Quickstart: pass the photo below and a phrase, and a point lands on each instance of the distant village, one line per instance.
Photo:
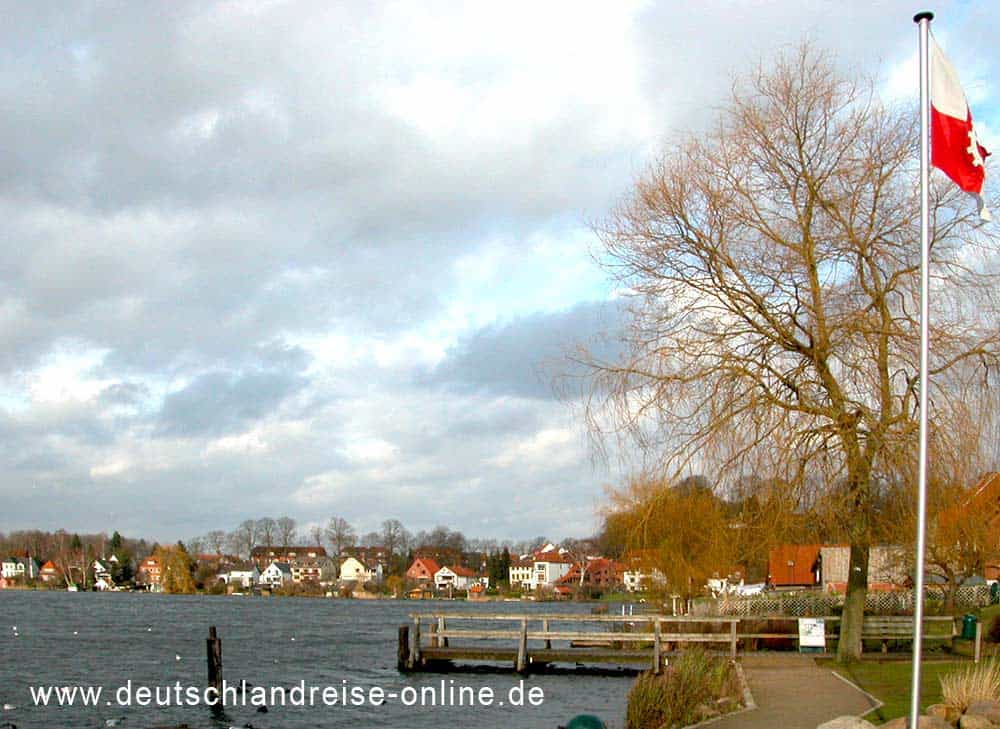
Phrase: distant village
(266, 556)
(550, 571)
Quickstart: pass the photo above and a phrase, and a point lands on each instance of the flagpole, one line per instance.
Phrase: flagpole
(923, 20)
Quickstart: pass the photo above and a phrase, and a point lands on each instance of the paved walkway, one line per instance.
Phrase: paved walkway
(792, 692)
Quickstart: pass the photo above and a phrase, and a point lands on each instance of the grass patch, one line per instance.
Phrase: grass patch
(889, 681)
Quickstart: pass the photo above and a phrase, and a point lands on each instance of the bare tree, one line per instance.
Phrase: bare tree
(340, 534)
(579, 551)
(316, 534)
(393, 537)
(772, 271)
(195, 545)
(244, 538)
(267, 528)
(286, 531)
(216, 540)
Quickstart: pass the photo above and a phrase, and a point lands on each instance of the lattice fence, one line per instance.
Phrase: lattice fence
(877, 603)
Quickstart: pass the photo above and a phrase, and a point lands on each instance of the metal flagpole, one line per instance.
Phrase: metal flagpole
(923, 20)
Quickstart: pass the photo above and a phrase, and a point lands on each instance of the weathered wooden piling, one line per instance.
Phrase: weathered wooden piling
(415, 652)
(522, 648)
(441, 627)
(214, 655)
(403, 649)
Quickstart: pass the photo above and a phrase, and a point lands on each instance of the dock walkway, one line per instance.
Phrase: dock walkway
(792, 692)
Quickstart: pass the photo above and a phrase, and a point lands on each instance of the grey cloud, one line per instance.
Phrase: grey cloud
(218, 402)
(531, 355)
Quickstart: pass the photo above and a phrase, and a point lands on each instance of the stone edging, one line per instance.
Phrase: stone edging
(748, 702)
(877, 704)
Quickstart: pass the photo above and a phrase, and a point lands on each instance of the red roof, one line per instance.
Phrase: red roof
(462, 571)
(422, 567)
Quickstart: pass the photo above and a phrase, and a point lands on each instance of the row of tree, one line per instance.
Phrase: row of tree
(338, 534)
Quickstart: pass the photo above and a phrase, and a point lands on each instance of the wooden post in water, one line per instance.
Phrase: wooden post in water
(522, 648)
(545, 627)
(433, 630)
(403, 649)
(415, 653)
(657, 659)
(214, 654)
(443, 642)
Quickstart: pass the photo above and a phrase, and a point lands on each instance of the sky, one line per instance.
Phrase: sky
(328, 259)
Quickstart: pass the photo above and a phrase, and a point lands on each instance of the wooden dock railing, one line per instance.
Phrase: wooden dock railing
(528, 639)
(644, 640)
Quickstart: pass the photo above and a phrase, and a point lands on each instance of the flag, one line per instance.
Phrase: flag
(955, 149)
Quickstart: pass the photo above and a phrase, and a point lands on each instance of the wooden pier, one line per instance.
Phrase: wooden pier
(527, 642)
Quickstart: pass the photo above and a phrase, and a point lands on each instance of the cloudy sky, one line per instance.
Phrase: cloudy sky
(314, 258)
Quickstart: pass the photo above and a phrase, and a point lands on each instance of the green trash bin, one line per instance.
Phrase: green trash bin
(585, 721)
(969, 627)
(995, 592)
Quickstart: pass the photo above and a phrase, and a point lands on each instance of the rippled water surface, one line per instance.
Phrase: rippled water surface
(108, 639)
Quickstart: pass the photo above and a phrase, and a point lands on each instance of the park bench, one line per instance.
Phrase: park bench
(883, 628)
(900, 627)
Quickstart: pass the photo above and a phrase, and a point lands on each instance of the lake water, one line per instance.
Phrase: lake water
(105, 640)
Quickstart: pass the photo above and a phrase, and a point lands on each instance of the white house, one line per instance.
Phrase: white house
(520, 572)
(455, 577)
(101, 568)
(353, 569)
(547, 570)
(276, 574)
(19, 568)
(9, 568)
(244, 579)
(636, 580)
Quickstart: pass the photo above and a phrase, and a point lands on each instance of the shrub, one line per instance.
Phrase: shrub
(993, 634)
(679, 695)
(972, 683)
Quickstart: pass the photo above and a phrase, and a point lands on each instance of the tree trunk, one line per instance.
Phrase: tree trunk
(849, 646)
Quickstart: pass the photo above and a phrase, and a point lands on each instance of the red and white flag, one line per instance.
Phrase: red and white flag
(955, 149)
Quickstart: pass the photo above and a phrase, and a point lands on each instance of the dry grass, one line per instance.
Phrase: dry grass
(678, 696)
(972, 683)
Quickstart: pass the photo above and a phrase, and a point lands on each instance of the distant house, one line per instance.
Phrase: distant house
(149, 573)
(563, 591)
(794, 565)
(306, 563)
(423, 569)
(102, 570)
(9, 568)
(454, 577)
(548, 569)
(597, 572)
(371, 556)
(276, 574)
(49, 573)
(265, 555)
(19, 568)
(520, 572)
(243, 578)
(419, 593)
(354, 569)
